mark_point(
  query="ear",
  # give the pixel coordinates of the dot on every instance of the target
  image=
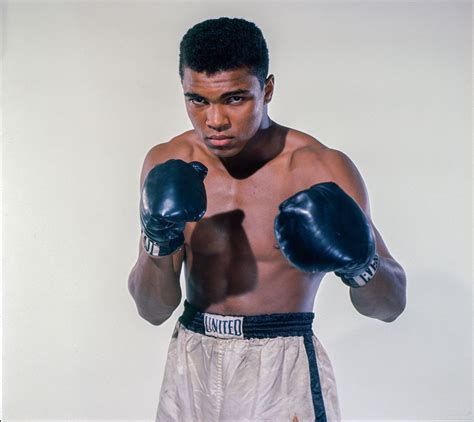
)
(268, 88)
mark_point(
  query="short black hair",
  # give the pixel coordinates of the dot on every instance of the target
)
(221, 44)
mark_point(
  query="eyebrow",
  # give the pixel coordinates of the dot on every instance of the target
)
(224, 95)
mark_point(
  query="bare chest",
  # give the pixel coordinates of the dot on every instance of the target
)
(240, 214)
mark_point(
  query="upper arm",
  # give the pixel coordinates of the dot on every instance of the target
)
(347, 176)
(154, 156)
(176, 148)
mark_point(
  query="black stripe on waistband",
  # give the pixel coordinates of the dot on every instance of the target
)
(254, 326)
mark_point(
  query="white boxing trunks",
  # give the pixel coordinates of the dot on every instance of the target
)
(247, 368)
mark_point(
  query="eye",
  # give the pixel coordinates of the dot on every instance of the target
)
(197, 100)
(235, 99)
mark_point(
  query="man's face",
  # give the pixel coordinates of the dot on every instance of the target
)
(226, 108)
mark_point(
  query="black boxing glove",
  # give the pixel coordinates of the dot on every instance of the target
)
(173, 193)
(322, 229)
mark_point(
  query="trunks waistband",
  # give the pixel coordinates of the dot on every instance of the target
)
(254, 326)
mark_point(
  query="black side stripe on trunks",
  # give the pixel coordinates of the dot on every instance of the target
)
(316, 392)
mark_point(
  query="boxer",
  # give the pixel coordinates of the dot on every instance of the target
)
(258, 213)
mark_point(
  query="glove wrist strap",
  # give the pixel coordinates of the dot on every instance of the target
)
(363, 278)
(151, 248)
(159, 250)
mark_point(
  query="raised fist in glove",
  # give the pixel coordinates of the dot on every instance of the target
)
(322, 229)
(173, 193)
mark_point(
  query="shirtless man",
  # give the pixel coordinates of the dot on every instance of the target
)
(258, 213)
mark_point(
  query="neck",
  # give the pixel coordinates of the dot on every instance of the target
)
(265, 145)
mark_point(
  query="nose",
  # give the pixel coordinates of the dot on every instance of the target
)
(216, 118)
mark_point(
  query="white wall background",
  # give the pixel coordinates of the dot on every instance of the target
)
(89, 87)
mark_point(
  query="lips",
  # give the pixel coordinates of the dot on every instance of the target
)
(219, 141)
(219, 137)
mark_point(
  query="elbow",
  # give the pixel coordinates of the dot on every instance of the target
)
(399, 303)
(395, 314)
(156, 315)
(155, 319)
(391, 318)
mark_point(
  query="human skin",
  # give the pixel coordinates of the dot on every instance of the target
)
(231, 258)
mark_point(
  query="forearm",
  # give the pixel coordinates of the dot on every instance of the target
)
(383, 297)
(154, 286)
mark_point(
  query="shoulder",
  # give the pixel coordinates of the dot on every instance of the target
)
(180, 147)
(321, 163)
(311, 156)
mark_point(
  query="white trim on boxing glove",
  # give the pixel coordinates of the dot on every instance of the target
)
(151, 248)
(363, 278)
